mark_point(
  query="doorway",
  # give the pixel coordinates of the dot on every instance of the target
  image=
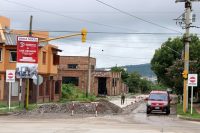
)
(102, 90)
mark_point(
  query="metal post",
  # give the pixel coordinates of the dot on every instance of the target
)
(27, 80)
(27, 94)
(20, 90)
(37, 92)
(191, 99)
(30, 27)
(186, 57)
(9, 95)
(89, 74)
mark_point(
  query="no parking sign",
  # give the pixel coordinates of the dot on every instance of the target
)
(10, 75)
(192, 79)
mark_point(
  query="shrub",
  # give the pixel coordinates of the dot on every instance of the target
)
(72, 93)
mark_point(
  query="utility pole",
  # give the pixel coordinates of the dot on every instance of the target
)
(187, 39)
(27, 80)
(89, 74)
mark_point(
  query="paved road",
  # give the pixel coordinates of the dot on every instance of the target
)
(136, 122)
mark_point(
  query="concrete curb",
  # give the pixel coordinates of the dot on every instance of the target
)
(188, 118)
(6, 114)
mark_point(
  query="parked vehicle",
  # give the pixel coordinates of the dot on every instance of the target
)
(158, 101)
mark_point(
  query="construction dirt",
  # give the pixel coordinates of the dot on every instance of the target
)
(80, 109)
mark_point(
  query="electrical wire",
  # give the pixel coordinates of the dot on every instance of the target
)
(69, 17)
(100, 32)
(133, 16)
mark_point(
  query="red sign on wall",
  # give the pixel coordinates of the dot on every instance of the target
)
(27, 49)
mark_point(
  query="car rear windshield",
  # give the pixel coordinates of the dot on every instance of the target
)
(158, 97)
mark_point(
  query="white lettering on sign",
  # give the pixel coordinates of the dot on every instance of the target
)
(32, 39)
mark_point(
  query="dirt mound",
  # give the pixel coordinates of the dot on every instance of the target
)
(104, 107)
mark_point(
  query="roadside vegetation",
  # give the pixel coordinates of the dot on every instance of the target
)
(180, 112)
(15, 107)
(168, 65)
(136, 83)
(72, 93)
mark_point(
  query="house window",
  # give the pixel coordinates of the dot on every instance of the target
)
(70, 80)
(0, 55)
(44, 57)
(114, 82)
(92, 67)
(72, 66)
(56, 59)
(13, 56)
(57, 87)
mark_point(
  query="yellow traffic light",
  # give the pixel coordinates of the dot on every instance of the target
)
(84, 33)
(185, 74)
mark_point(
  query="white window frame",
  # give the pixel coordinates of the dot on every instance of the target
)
(10, 55)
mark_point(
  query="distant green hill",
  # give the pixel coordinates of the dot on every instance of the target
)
(143, 69)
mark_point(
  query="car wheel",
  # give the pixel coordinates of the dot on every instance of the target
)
(168, 111)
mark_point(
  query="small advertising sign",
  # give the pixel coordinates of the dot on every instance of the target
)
(27, 49)
(10, 75)
(26, 70)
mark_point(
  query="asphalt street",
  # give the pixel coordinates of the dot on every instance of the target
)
(135, 122)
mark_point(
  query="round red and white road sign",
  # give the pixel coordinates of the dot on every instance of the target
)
(192, 79)
(10, 75)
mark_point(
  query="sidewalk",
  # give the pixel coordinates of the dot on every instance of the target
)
(128, 100)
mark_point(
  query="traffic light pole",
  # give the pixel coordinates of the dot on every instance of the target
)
(186, 55)
(89, 74)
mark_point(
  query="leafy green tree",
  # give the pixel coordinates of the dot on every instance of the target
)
(145, 85)
(124, 74)
(167, 62)
(133, 82)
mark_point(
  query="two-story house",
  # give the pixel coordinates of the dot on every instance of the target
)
(74, 69)
(48, 60)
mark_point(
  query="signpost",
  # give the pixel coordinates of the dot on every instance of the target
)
(192, 81)
(27, 61)
(10, 77)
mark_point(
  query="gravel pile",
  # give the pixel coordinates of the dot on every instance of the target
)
(104, 107)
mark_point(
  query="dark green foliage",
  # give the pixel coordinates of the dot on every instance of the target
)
(138, 85)
(124, 74)
(168, 64)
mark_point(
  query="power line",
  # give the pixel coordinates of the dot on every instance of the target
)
(101, 32)
(133, 16)
(65, 16)
(122, 56)
(96, 12)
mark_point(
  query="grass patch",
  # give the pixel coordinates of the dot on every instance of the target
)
(15, 107)
(195, 115)
(72, 93)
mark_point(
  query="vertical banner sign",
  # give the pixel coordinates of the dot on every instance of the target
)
(27, 57)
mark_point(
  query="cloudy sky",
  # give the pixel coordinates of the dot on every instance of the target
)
(118, 30)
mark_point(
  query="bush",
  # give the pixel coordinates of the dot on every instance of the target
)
(72, 93)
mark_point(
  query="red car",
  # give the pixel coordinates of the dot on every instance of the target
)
(158, 101)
